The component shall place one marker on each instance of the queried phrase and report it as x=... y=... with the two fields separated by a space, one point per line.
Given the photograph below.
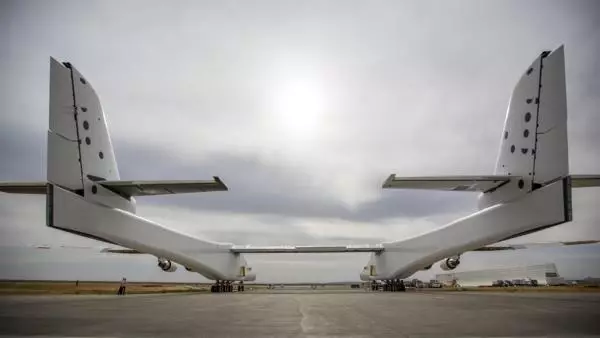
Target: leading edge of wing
x=153 y=188
x=447 y=183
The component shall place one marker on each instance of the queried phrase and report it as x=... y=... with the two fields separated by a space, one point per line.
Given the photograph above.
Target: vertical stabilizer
x=534 y=143
x=80 y=151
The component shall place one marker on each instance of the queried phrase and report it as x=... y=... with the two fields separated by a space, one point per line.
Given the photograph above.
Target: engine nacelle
x=450 y=263
x=166 y=265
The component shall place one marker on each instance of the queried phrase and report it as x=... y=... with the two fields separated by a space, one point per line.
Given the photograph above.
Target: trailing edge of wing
x=585 y=181
x=448 y=183
x=152 y=188
x=306 y=249
x=32 y=187
x=534 y=245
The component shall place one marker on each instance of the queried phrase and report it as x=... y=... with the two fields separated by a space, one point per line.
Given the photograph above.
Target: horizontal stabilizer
x=534 y=245
x=126 y=188
x=152 y=188
x=307 y=249
x=122 y=251
x=585 y=181
x=35 y=187
x=448 y=183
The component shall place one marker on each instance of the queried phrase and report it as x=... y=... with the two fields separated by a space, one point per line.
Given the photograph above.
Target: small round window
x=86 y=125
x=505 y=135
x=101 y=155
x=88 y=141
x=527 y=117
x=82 y=80
x=526 y=133
x=521 y=184
x=94 y=189
x=84 y=109
x=512 y=148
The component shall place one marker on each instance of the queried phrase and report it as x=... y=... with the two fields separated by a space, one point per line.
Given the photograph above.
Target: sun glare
x=299 y=106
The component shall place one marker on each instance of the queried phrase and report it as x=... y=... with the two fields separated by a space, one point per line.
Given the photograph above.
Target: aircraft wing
x=306 y=249
x=152 y=188
x=534 y=245
x=30 y=187
x=448 y=183
x=585 y=181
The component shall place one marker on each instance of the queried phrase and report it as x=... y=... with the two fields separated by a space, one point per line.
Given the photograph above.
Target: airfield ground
x=303 y=313
x=108 y=288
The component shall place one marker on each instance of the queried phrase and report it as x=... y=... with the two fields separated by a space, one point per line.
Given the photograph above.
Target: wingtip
x=388 y=181
x=221 y=183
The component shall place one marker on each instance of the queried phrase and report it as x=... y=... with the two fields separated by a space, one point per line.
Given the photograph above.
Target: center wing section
x=306 y=249
x=448 y=183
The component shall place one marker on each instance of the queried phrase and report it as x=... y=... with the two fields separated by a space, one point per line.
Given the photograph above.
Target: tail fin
x=534 y=142
x=80 y=151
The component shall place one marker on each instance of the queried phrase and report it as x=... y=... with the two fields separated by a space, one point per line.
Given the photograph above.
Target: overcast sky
x=303 y=108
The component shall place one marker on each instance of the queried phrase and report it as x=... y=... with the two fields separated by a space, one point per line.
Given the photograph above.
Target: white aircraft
x=530 y=189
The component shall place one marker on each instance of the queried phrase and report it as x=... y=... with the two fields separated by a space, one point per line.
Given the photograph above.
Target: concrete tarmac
x=304 y=314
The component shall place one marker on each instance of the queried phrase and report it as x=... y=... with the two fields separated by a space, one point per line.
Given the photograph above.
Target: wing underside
x=248 y=249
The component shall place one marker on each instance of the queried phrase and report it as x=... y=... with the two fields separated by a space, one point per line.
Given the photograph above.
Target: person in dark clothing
x=122 y=287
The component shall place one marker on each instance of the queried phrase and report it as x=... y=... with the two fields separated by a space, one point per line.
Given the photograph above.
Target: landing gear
x=392 y=285
x=226 y=286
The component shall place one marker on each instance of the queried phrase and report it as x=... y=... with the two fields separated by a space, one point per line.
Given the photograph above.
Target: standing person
x=122 y=287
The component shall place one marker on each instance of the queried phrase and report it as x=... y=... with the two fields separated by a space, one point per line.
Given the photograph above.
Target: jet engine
x=166 y=265
x=450 y=263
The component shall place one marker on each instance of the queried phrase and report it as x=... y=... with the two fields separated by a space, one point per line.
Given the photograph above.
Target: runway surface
x=303 y=314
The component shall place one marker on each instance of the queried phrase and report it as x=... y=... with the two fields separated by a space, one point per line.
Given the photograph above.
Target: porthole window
x=528 y=101
x=94 y=189
x=529 y=71
x=527 y=117
x=82 y=80
x=521 y=184
x=524 y=150
x=84 y=109
x=526 y=133
x=505 y=135
x=86 y=125
x=88 y=141
x=512 y=148
x=101 y=155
